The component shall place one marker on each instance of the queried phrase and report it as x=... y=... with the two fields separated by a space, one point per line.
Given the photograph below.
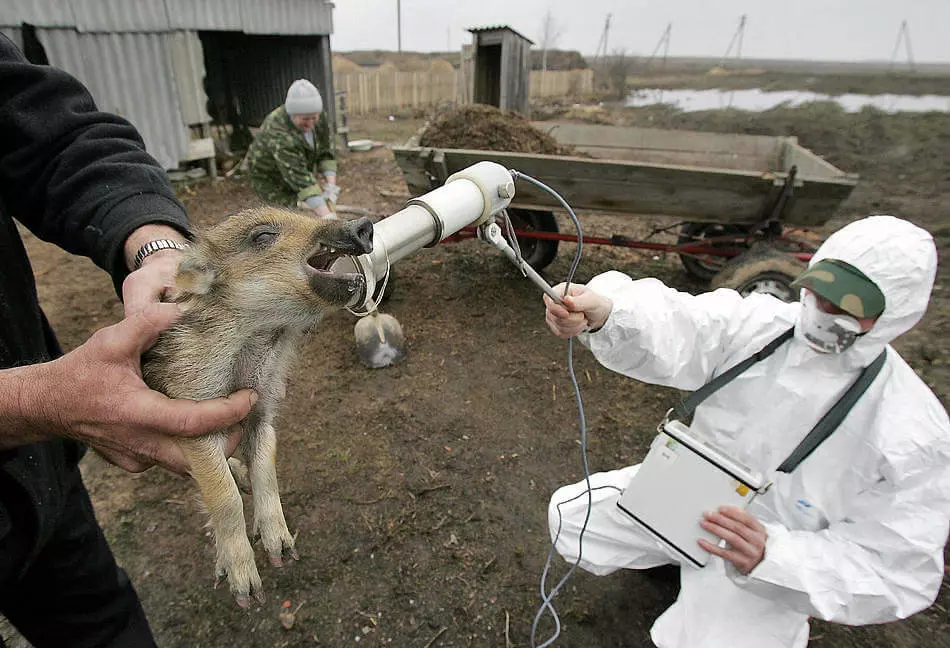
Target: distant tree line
x=559 y=60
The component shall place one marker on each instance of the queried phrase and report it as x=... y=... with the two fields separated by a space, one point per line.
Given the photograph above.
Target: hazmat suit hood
x=901 y=259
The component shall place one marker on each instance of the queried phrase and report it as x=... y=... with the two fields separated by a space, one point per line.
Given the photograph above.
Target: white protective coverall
x=856 y=533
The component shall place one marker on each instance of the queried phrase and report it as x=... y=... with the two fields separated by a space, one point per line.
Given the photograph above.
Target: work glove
x=331 y=192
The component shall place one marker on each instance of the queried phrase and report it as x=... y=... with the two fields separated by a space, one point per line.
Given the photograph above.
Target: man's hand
x=156 y=277
x=583 y=310
x=96 y=394
x=150 y=283
x=745 y=537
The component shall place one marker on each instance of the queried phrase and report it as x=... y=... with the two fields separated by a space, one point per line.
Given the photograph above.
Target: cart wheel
x=706 y=267
x=537 y=252
x=761 y=270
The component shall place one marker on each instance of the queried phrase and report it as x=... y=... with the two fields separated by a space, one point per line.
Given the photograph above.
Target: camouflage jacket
x=283 y=164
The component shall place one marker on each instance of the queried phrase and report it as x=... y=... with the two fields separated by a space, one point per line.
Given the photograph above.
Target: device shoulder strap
x=685 y=408
x=833 y=418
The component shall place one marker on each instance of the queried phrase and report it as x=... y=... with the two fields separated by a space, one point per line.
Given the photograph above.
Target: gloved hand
x=331 y=192
x=583 y=310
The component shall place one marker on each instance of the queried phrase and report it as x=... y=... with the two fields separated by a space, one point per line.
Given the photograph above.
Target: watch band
x=154 y=246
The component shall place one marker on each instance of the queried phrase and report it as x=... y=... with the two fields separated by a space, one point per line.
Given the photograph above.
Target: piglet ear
x=196 y=274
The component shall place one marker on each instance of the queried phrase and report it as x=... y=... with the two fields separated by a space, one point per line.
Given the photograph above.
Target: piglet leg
x=234 y=555
x=260 y=448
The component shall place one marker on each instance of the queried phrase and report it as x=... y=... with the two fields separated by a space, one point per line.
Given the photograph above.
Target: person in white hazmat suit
x=855 y=534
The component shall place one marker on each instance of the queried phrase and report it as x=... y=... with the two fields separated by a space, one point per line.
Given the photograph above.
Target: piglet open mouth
x=322 y=259
x=332 y=277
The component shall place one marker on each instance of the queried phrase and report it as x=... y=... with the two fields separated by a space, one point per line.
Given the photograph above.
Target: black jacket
x=80 y=179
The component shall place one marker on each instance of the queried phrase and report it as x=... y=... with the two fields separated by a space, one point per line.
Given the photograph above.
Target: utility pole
x=903 y=34
x=602 y=44
x=736 y=40
x=664 y=43
x=399 y=25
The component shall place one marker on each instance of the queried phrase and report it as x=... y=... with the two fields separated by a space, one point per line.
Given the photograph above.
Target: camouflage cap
x=844 y=286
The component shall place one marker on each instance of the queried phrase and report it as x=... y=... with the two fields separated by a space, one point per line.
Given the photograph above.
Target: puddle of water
x=758 y=100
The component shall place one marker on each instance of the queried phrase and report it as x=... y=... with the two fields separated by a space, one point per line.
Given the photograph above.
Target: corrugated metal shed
x=130 y=75
x=311 y=17
x=144 y=59
x=120 y=15
x=287 y=17
x=208 y=15
x=277 y=61
x=42 y=13
x=189 y=66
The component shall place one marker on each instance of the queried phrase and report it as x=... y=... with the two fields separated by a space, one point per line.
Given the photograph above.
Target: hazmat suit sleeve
x=884 y=560
x=666 y=337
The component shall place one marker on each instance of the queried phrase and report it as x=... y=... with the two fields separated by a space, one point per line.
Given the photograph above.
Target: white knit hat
x=303 y=98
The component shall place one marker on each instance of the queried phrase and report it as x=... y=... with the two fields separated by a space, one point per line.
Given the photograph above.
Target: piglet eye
x=264 y=239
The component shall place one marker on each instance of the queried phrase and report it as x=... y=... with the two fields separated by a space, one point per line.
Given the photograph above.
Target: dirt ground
x=419 y=492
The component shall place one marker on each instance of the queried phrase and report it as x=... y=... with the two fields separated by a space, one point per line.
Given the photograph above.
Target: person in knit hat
x=291 y=158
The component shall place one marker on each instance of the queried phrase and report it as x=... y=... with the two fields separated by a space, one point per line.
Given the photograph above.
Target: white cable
x=547 y=597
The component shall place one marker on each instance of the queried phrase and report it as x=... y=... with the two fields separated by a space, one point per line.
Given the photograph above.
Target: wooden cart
x=740 y=199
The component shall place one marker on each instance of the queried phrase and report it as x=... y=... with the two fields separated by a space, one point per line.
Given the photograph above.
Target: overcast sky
x=813 y=29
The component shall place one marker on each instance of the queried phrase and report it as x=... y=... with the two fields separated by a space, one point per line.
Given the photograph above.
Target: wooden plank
x=810 y=165
x=595 y=135
x=717 y=195
x=707 y=159
x=200 y=149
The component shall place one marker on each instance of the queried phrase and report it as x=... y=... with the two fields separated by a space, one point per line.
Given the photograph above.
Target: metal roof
x=42 y=13
x=120 y=15
x=287 y=16
x=478 y=30
x=110 y=16
x=209 y=15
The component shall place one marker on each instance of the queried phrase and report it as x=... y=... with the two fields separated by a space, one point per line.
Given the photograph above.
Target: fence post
x=349 y=93
x=397 y=94
x=378 y=102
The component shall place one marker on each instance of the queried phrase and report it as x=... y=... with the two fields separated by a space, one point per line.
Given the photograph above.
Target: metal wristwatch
x=154 y=246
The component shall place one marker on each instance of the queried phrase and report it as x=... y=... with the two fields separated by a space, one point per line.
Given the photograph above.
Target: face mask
x=825 y=332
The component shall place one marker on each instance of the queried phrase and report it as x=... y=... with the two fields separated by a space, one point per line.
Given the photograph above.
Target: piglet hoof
x=236 y=561
x=277 y=559
x=277 y=541
x=244 y=600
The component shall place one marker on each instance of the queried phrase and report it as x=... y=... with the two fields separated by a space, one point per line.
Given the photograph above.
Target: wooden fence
x=390 y=90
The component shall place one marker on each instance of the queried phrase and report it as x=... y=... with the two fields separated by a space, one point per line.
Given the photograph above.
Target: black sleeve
x=75 y=176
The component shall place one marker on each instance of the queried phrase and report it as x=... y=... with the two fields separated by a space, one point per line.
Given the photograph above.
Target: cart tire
x=705 y=267
x=538 y=253
x=761 y=270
